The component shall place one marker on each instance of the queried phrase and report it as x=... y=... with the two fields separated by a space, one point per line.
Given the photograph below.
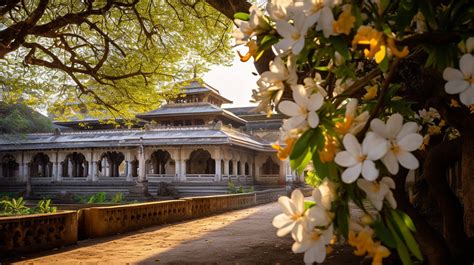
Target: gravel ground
x=238 y=237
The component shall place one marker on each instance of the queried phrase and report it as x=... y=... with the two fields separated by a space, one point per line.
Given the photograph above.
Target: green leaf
x=407 y=220
x=266 y=42
x=301 y=162
x=406 y=234
x=301 y=145
x=340 y=45
x=427 y=10
x=242 y=16
x=383 y=65
x=342 y=219
x=401 y=248
x=384 y=234
x=308 y=204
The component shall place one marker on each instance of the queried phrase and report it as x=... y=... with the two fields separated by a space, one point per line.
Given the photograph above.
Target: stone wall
x=20 y=234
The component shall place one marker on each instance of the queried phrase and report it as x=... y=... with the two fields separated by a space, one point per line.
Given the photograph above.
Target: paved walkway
x=238 y=237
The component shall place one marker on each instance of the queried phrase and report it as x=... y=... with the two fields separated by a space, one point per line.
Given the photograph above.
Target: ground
x=238 y=237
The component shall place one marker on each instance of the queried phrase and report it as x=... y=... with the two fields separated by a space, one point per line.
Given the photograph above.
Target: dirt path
x=238 y=237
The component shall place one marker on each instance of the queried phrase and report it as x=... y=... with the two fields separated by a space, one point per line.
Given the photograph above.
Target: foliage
x=117 y=198
x=99 y=197
x=45 y=206
x=15 y=206
x=19 y=118
x=232 y=189
x=344 y=75
x=72 y=56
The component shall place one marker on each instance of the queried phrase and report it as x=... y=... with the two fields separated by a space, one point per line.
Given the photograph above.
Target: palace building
x=191 y=142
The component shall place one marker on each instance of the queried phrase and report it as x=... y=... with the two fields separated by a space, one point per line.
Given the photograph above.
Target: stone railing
x=103 y=221
x=200 y=177
x=21 y=234
x=267 y=196
x=160 y=177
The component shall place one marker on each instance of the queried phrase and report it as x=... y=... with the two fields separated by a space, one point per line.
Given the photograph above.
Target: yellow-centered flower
x=371 y=92
x=284 y=152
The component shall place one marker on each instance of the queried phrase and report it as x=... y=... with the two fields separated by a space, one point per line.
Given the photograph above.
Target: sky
x=235 y=82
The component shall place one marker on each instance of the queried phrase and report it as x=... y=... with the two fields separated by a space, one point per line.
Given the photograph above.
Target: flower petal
x=452 y=74
x=369 y=171
x=285 y=230
x=286 y=205
x=281 y=220
x=391 y=163
x=297 y=198
x=317 y=253
x=407 y=160
x=313 y=119
x=391 y=200
x=411 y=142
x=394 y=125
x=407 y=128
x=467 y=97
x=284 y=29
x=298 y=232
x=300 y=95
x=352 y=145
x=317 y=196
x=317 y=217
x=284 y=45
x=289 y=108
x=298 y=46
x=299 y=247
x=351 y=173
x=315 y=102
x=345 y=159
x=389 y=182
x=466 y=64
x=294 y=122
x=374 y=147
x=364 y=185
x=378 y=126
x=456 y=86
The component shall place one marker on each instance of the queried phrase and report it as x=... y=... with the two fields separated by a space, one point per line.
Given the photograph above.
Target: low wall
x=267 y=196
x=21 y=234
x=104 y=221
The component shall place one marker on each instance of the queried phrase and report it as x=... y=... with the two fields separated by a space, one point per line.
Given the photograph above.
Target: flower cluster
x=333 y=76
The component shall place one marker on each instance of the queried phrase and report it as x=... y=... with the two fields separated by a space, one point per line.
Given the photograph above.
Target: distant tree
x=120 y=54
x=19 y=118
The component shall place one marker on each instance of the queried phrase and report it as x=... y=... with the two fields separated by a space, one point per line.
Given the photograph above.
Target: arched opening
x=239 y=168
x=40 y=166
x=9 y=166
x=231 y=167
x=75 y=165
x=111 y=164
x=200 y=162
x=270 y=167
x=247 y=169
x=161 y=163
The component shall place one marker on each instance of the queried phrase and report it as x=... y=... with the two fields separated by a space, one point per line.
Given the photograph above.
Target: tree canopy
x=111 y=57
x=19 y=119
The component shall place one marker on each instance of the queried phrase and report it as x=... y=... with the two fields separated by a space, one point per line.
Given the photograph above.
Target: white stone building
x=191 y=140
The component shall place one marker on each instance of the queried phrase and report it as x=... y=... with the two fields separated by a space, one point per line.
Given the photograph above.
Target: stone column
x=242 y=168
x=59 y=172
x=226 y=167
x=282 y=171
x=107 y=168
x=218 y=176
x=234 y=168
x=141 y=165
x=129 y=171
x=1 y=170
x=90 y=171
x=183 y=170
x=26 y=171
x=95 y=171
x=177 y=169
x=69 y=168
x=54 y=173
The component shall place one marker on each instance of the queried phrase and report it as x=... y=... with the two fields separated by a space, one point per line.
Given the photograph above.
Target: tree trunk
x=467 y=165
x=432 y=244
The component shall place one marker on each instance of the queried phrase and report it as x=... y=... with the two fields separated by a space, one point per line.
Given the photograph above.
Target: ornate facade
x=188 y=140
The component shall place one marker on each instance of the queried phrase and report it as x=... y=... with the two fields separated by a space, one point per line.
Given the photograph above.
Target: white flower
x=354 y=123
x=461 y=81
x=247 y=29
x=319 y=11
x=293 y=35
x=467 y=46
x=303 y=110
x=378 y=191
x=325 y=194
x=429 y=116
x=314 y=244
x=280 y=9
x=315 y=84
x=293 y=217
x=271 y=83
x=341 y=86
x=402 y=139
x=360 y=159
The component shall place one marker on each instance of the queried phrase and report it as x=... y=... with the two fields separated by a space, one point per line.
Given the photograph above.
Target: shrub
x=44 y=206
x=117 y=198
x=15 y=206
